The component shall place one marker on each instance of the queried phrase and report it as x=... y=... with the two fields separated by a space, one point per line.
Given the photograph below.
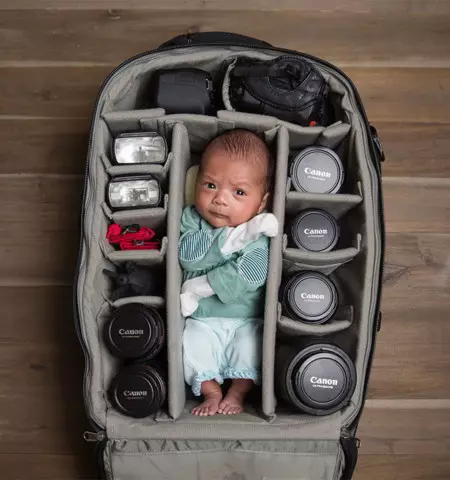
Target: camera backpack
x=273 y=439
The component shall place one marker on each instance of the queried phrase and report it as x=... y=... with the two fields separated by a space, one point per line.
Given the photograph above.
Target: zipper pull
x=94 y=436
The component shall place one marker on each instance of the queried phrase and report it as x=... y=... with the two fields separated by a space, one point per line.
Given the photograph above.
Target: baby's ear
x=263 y=203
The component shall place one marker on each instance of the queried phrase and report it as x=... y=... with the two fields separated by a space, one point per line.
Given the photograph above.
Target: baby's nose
x=220 y=198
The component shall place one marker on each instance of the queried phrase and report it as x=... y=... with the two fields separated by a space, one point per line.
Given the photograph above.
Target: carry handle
x=219 y=38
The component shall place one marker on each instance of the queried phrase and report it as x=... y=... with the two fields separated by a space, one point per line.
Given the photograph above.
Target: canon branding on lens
x=317 y=170
x=134 y=331
x=310 y=297
x=314 y=230
x=319 y=379
x=138 y=390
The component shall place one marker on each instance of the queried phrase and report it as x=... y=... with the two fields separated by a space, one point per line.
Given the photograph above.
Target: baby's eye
x=239 y=192
x=210 y=185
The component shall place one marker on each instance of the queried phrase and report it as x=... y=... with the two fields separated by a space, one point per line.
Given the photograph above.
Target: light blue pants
x=221 y=348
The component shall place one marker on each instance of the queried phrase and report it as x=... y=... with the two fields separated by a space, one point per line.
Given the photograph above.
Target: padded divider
x=257 y=123
x=295 y=259
x=148 y=300
x=274 y=276
x=159 y=171
x=337 y=204
x=148 y=217
x=127 y=121
x=333 y=135
x=342 y=319
x=201 y=129
x=141 y=257
x=175 y=321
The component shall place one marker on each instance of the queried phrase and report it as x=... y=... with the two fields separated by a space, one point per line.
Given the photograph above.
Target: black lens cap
x=310 y=297
x=317 y=170
x=134 y=331
x=138 y=391
x=322 y=378
x=315 y=230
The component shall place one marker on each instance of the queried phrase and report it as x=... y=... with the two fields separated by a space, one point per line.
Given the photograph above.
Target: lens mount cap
x=310 y=297
x=138 y=391
x=315 y=230
x=317 y=170
x=134 y=331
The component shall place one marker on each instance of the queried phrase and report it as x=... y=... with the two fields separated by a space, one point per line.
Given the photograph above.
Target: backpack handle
x=219 y=38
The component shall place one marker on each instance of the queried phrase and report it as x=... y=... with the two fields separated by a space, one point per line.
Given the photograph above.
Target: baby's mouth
x=219 y=215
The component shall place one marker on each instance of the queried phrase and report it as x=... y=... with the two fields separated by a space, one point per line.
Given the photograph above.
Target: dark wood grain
x=416 y=302
x=43 y=145
x=404 y=94
x=415 y=149
x=97 y=35
x=402 y=427
x=403 y=467
x=417 y=205
x=39 y=232
x=25 y=466
x=364 y=6
x=50 y=91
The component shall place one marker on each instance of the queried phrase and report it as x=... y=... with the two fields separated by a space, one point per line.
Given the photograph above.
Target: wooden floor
x=53 y=57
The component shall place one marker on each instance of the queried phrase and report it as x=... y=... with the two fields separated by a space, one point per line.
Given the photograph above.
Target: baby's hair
x=244 y=144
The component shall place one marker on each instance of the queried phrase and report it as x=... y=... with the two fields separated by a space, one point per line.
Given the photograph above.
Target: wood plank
x=44 y=314
x=404 y=94
x=40 y=228
x=43 y=145
x=50 y=91
x=403 y=427
x=71 y=92
x=20 y=466
x=383 y=6
x=60 y=146
x=340 y=37
x=415 y=149
x=415 y=305
x=417 y=205
x=403 y=467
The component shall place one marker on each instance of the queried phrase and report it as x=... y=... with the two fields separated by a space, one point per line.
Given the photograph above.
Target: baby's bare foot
x=233 y=403
x=213 y=395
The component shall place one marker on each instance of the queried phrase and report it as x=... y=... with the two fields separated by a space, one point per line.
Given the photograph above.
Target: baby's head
x=234 y=179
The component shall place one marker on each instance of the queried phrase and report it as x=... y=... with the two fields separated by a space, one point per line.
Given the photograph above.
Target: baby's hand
x=189 y=303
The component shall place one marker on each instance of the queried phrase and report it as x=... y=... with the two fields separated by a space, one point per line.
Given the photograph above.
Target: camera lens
x=319 y=379
x=317 y=170
x=138 y=390
x=315 y=231
x=134 y=331
x=310 y=297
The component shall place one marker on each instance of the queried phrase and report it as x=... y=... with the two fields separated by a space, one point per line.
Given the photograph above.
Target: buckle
x=133 y=228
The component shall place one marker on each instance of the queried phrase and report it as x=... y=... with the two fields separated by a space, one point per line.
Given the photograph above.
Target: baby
x=224 y=252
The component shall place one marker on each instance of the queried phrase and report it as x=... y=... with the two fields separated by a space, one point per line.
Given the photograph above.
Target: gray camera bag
x=268 y=441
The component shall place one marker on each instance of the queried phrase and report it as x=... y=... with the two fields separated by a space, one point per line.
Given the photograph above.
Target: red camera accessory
x=132 y=237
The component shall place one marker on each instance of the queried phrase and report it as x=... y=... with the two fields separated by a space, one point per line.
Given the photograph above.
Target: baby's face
x=229 y=190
